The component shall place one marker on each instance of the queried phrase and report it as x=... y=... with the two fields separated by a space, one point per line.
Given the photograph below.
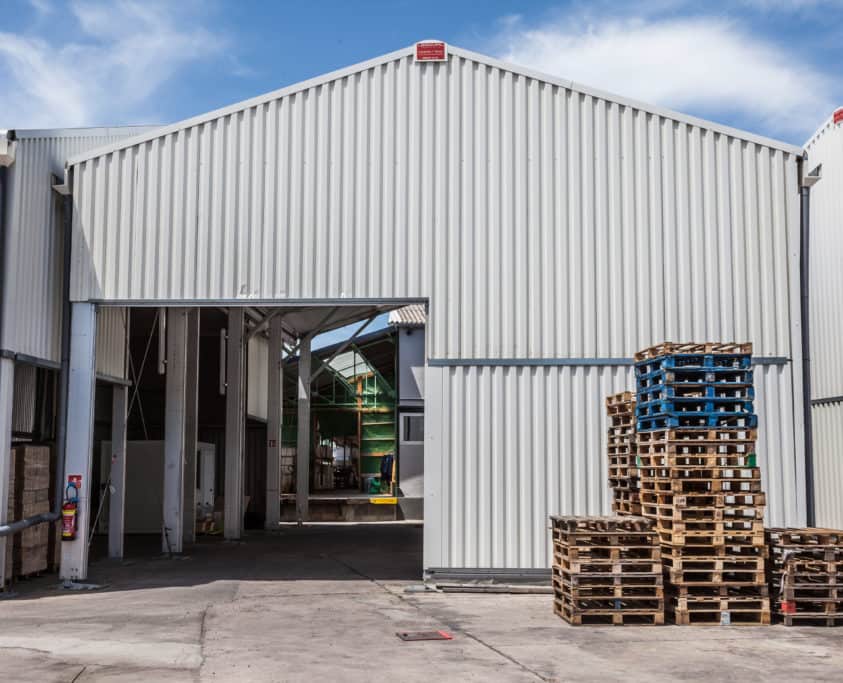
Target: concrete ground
x=324 y=603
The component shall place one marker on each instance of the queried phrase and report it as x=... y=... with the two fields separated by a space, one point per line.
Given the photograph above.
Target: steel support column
x=7 y=389
x=191 y=425
x=117 y=494
x=175 y=415
x=303 y=439
x=274 y=421
x=235 y=419
x=80 y=432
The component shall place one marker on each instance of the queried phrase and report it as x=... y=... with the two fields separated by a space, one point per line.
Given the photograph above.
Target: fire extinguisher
x=69 y=512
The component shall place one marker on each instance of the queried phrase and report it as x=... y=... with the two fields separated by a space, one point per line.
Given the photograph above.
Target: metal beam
x=264 y=323
x=303 y=432
x=7 y=389
x=117 y=498
x=235 y=417
x=175 y=417
x=389 y=389
x=80 y=433
x=348 y=342
x=191 y=425
x=274 y=423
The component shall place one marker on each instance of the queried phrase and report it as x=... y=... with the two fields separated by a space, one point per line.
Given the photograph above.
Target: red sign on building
x=431 y=51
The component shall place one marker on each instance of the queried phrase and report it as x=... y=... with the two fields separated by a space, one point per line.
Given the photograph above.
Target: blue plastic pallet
x=698 y=420
x=698 y=376
x=655 y=392
x=691 y=405
x=735 y=361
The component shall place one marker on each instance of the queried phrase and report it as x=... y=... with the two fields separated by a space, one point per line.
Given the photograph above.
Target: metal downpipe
x=804 y=284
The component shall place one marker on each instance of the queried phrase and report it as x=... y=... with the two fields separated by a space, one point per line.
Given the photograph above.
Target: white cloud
x=121 y=55
x=703 y=65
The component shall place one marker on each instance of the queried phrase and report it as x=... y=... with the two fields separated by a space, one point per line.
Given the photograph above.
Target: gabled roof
x=452 y=50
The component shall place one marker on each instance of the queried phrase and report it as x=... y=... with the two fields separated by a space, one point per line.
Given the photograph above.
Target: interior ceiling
x=296 y=321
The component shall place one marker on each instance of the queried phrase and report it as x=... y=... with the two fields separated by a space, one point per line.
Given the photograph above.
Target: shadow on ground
x=380 y=552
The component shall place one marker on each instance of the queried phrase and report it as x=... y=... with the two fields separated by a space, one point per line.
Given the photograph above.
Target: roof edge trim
x=240 y=106
x=453 y=50
x=85 y=132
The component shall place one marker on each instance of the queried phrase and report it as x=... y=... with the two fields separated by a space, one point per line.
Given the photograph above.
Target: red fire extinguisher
x=69 y=511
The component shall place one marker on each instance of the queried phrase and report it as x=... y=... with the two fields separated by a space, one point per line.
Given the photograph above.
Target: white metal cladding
x=257 y=384
x=540 y=218
x=33 y=265
x=826 y=256
x=112 y=329
x=508 y=446
x=828 y=464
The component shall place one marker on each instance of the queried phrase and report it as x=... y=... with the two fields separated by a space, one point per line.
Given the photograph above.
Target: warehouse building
x=824 y=166
x=547 y=229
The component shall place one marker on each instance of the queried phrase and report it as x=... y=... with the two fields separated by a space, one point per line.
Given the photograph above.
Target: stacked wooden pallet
x=623 y=473
x=29 y=495
x=607 y=570
x=700 y=481
x=806 y=575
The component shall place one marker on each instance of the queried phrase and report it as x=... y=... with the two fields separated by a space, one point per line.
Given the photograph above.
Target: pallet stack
x=623 y=473
x=607 y=570
x=700 y=482
x=806 y=575
x=29 y=495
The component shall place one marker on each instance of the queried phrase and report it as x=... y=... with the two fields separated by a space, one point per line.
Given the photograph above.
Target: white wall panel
x=257 y=384
x=511 y=445
x=826 y=255
x=828 y=464
x=541 y=220
x=112 y=328
x=32 y=302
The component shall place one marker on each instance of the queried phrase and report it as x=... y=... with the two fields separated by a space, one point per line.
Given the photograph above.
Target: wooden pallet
x=717 y=617
x=703 y=499
x=719 y=435
x=720 y=590
x=622 y=398
x=679 y=514
x=607 y=525
x=673 y=348
x=812 y=619
x=609 y=617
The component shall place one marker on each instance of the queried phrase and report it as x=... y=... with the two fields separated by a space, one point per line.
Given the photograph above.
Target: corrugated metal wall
x=828 y=464
x=826 y=312
x=32 y=303
x=541 y=221
x=508 y=446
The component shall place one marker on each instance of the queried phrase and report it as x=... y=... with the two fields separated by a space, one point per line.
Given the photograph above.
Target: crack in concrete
x=453 y=627
x=76 y=677
x=203 y=629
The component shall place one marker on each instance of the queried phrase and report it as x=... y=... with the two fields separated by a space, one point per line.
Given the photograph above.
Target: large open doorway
x=261 y=374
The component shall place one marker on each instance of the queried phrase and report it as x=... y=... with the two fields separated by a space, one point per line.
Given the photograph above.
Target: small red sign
x=838 y=115
x=431 y=51
x=75 y=479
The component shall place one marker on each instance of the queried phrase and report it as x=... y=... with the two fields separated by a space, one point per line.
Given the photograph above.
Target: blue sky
x=769 y=66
